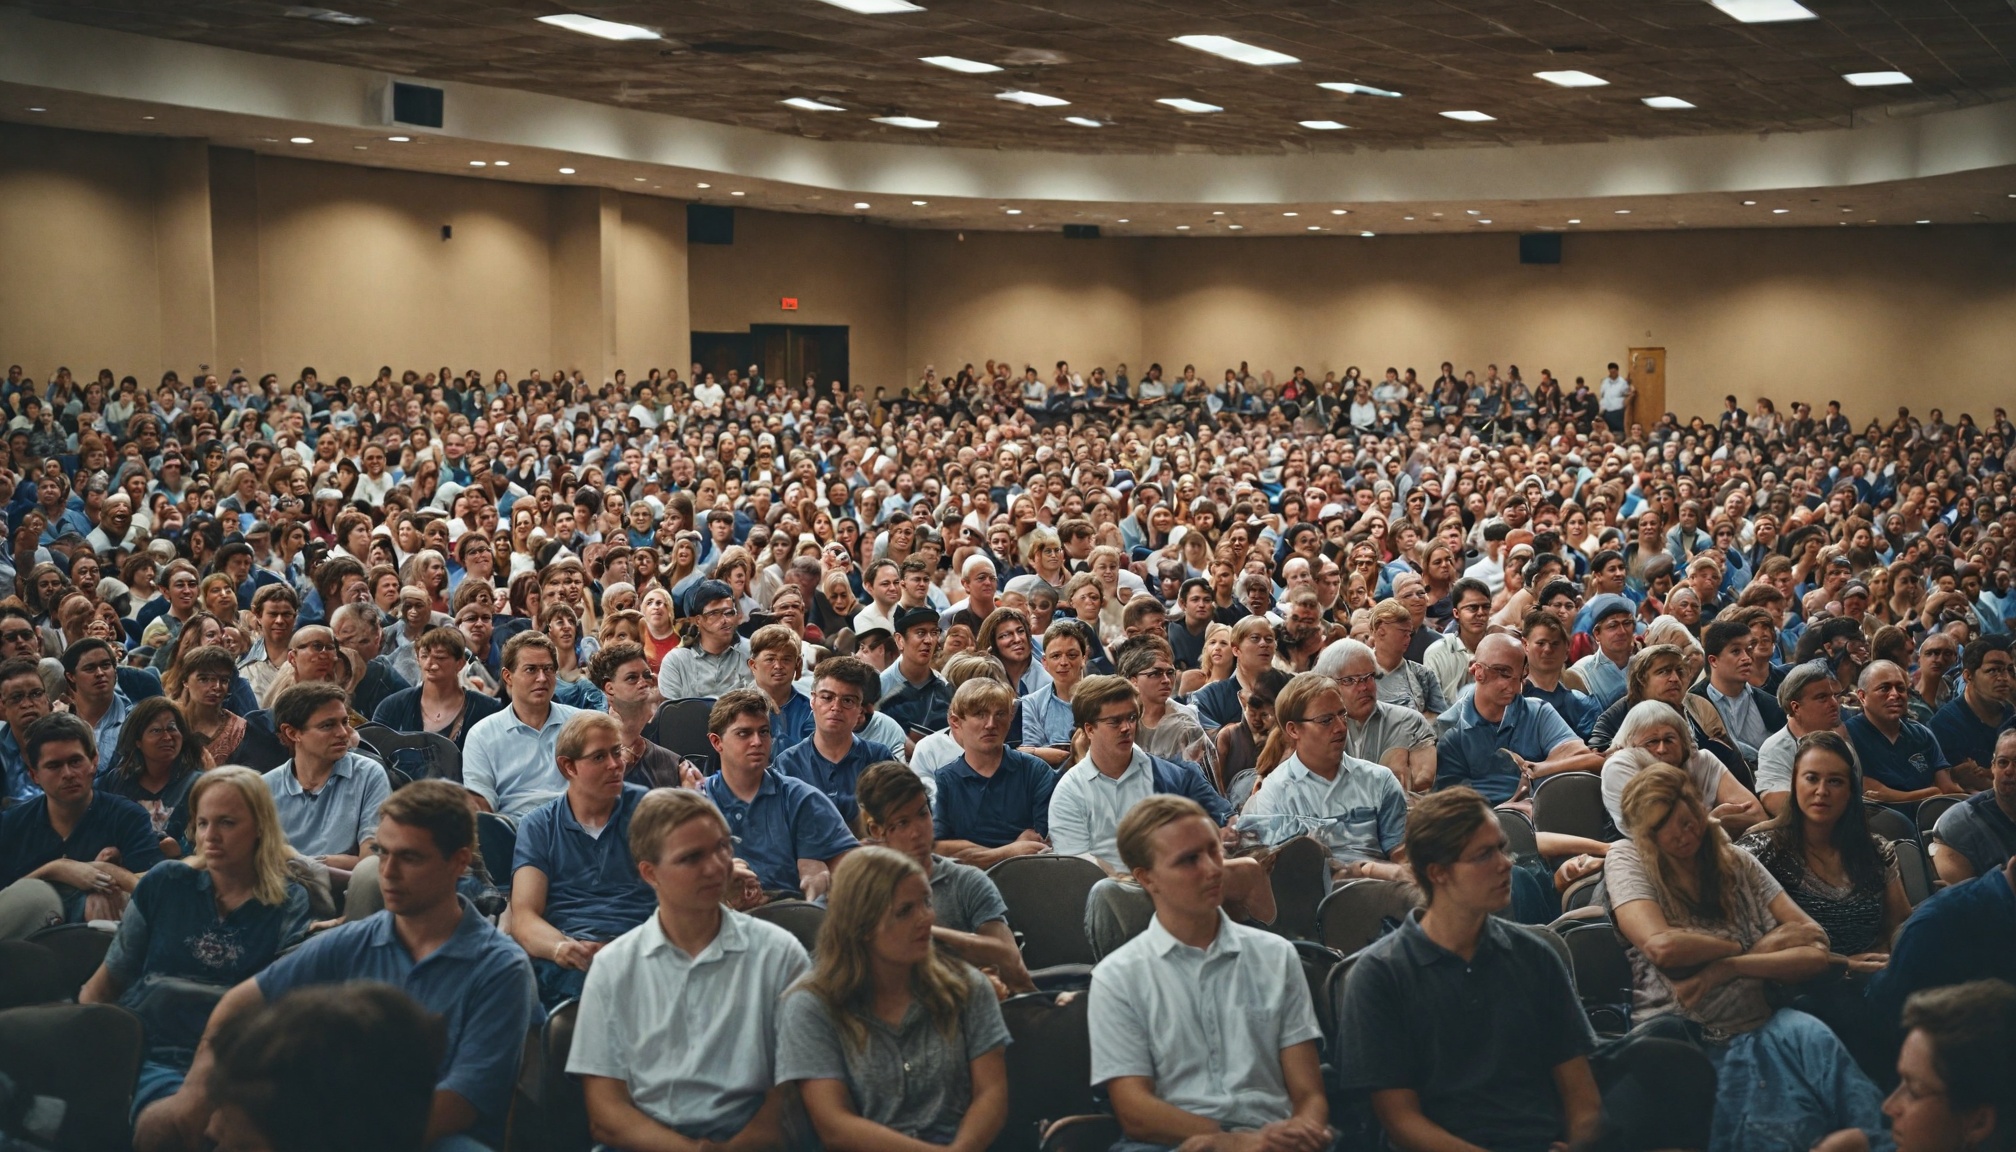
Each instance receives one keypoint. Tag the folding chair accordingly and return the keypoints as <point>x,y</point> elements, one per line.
<point>799,917</point>
<point>1046,906</point>
<point>1914,871</point>
<point>1571,803</point>
<point>86,1055</point>
<point>559,1119</point>
<point>1890,823</point>
<point>1520,837</point>
<point>1602,971</point>
<point>1362,911</point>
<point>78,948</point>
<point>420,755</point>
<point>1930,809</point>
<point>496,844</point>
<point>1301,879</point>
<point>1049,1066</point>
<point>680,727</point>
<point>29,974</point>
<point>1094,1133</point>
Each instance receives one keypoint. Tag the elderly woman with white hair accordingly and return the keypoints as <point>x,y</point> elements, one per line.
<point>1654,732</point>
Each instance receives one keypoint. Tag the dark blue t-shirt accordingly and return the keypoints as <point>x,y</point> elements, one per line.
<point>803,761</point>
<point>1962,735</point>
<point>992,810</point>
<point>1965,932</point>
<point>27,841</point>
<point>1911,763</point>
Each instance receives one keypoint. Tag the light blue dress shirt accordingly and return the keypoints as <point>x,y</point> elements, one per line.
<point>511,764</point>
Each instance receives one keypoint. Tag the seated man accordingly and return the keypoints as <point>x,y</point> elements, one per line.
<point>428,942</point>
<point>507,762</point>
<point>328,795</point>
<point>913,694</point>
<point>833,757</point>
<point>1391,734</point>
<point>1956,1069</point>
<point>1499,741</point>
<point>1964,932</point>
<point>1902,762</point>
<point>1976,835</point>
<point>1811,700</point>
<point>1203,1028</point>
<point>774,661</point>
<point>1047,719</point>
<point>787,831</point>
<point>622,673</point>
<point>1092,796</point>
<point>71,842</point>
<point>1967,725</point>
<point>972,919</point>
<point>993,802</point>
<point>1438,1076</point>
<point>23,700</point>
<point>676,1041</point>
<point>1353,806</point>
<point>719,663</point>
<point>573,885</point>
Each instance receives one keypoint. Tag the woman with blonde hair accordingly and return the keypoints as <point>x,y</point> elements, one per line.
<point>1709,929</point>
<point>661,635</point>
<point>1217,662</point>
<point>892,1042</point>
<point>212,920</point>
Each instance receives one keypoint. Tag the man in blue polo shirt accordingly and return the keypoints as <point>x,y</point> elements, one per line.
<point>327,795</point>
<point>1967,725</point>
<point>786,830</point>
<point>507,759</point>
<point>1964,932</point>
<point>1901,759</point>
<point>1977,834</point>
<point>1500,741</point>
<point>913,694</point>
<point>833,758</point>
<point>573,884</point>
<point>428,942</point>
<point>72,840</point>
<point>993,802</point>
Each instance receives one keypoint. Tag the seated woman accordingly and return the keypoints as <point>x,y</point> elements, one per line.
<point>1239,744</point>
<point>1708,929</point>
<point>196,928</point>
<point>891,1041</point>
<point>440,704</point>
<point>1652,733</point>
<point>154,764</point>
<point>200,683</point>
<point>1663,672</point>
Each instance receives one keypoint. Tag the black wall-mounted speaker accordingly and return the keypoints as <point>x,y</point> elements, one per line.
<point>417,104</point>
<point>1540,248</point>
<point>1081,231</point>
<point>709,224</point>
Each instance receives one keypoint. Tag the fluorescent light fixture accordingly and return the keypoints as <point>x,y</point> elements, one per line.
<point>566,171</point>
<point>400,139</point>
<point>1340,211</point>
<point>1217,212</point>
<point>1483,221</point>
<point>1323,125</point>
<point>1236,227</point>
<point>481,164</point>
<point>500,163</point>
<point>1572,78</point>
<point>876,7</point>
<point>1315,227</point>
<point>960,64</point>
<point>1749,203</point>
<point>906,122</point>
<point>300,140</point>
<point>1779,211</point>
<point>1623,211</point>
<point>1670,103</point>
<point>1185,104</point>
<point>731,193</point>
<point>919,203</point>
<point>1186,227</point>
<point>639,179</point>
<point>1012,211</point>
<point>1291,213</point>
<point>1406,217</point>
<point>1575,220</point>
<point>1032,99</point>
<point>38,109</point>
<point>1875,79</point>
<point>605,29</point>
<point>1763,11</point>
<point>1230,49</point>
<point>1924,221</point>
<point>1469,116</point>
<point>1083,122</point>
<point>1472,212</point>
<point>811,105</point>
<point>1367,235</point>
<point>861,205</point>
<point>1350,89</point>
<point>1123,220</point>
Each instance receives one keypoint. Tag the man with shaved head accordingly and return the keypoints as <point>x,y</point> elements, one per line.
<point>1901,760</point>
<point>1499,741</point>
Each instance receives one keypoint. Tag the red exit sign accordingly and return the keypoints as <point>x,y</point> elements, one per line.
<point>788,303</point>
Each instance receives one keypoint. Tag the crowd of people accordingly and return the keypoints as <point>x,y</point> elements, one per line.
<point>1164,624</point>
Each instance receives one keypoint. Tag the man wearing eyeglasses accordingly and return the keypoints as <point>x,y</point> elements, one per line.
<point>1450,658</point>
<point>1500,741</point>
<point>71,841</point>
<point>719,663</point>
<point>508,760</point>
<point>833,757</point>
<point>1322,781</point>
<point>1393,735</point>
<point>23,700</point>
<point>93,675</point>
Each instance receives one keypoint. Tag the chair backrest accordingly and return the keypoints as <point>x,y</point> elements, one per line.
<point>1332,1014</point>
<point>1046,903</point>
<point>496,843</point>
<point>1601,967</point>
<point>798,917</point>
<point>88,1056</point>
<point>78,948</point>
<point>1520,839</point>
<point>1049,1066</point>
<point>1571,803</point>
<point>30,974</point>
<point>1114,914</point>
<point>1301,879</point>
<point>1914,871</point>
<point>1362,911</point>
<point>1317,961</point>
<point>563,1110</point>
<point>1889,823</point>
<point>420,755</point>
<point>680,727</point>
<point>1092,1133</point>
<point>1930,809</point>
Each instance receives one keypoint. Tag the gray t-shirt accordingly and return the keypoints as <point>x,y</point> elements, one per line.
<point>914,1079</point>
<point>1979,830</point>
<point>1747,892</point>
<point>963,897</point>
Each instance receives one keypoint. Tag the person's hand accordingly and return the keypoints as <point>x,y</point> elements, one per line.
<point>1688,992</point>
<point>81,875</point>
<point>1867,963</point>
<point>689,776</point>
<point>576,954</point>
<point>1724,811</point>
<point>1296,1134</point>
<point>1025,847</point>
<point>1579,866</point>
<point>1032,834</point>
<point>1796,934</point>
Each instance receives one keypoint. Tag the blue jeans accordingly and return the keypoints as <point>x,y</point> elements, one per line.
<point>1786,1085</point>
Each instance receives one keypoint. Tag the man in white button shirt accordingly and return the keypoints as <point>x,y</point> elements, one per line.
<point>1363,801</point>
<point>677,1031</point>
<point>1094,794</point>
<point>1202,1028</point>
